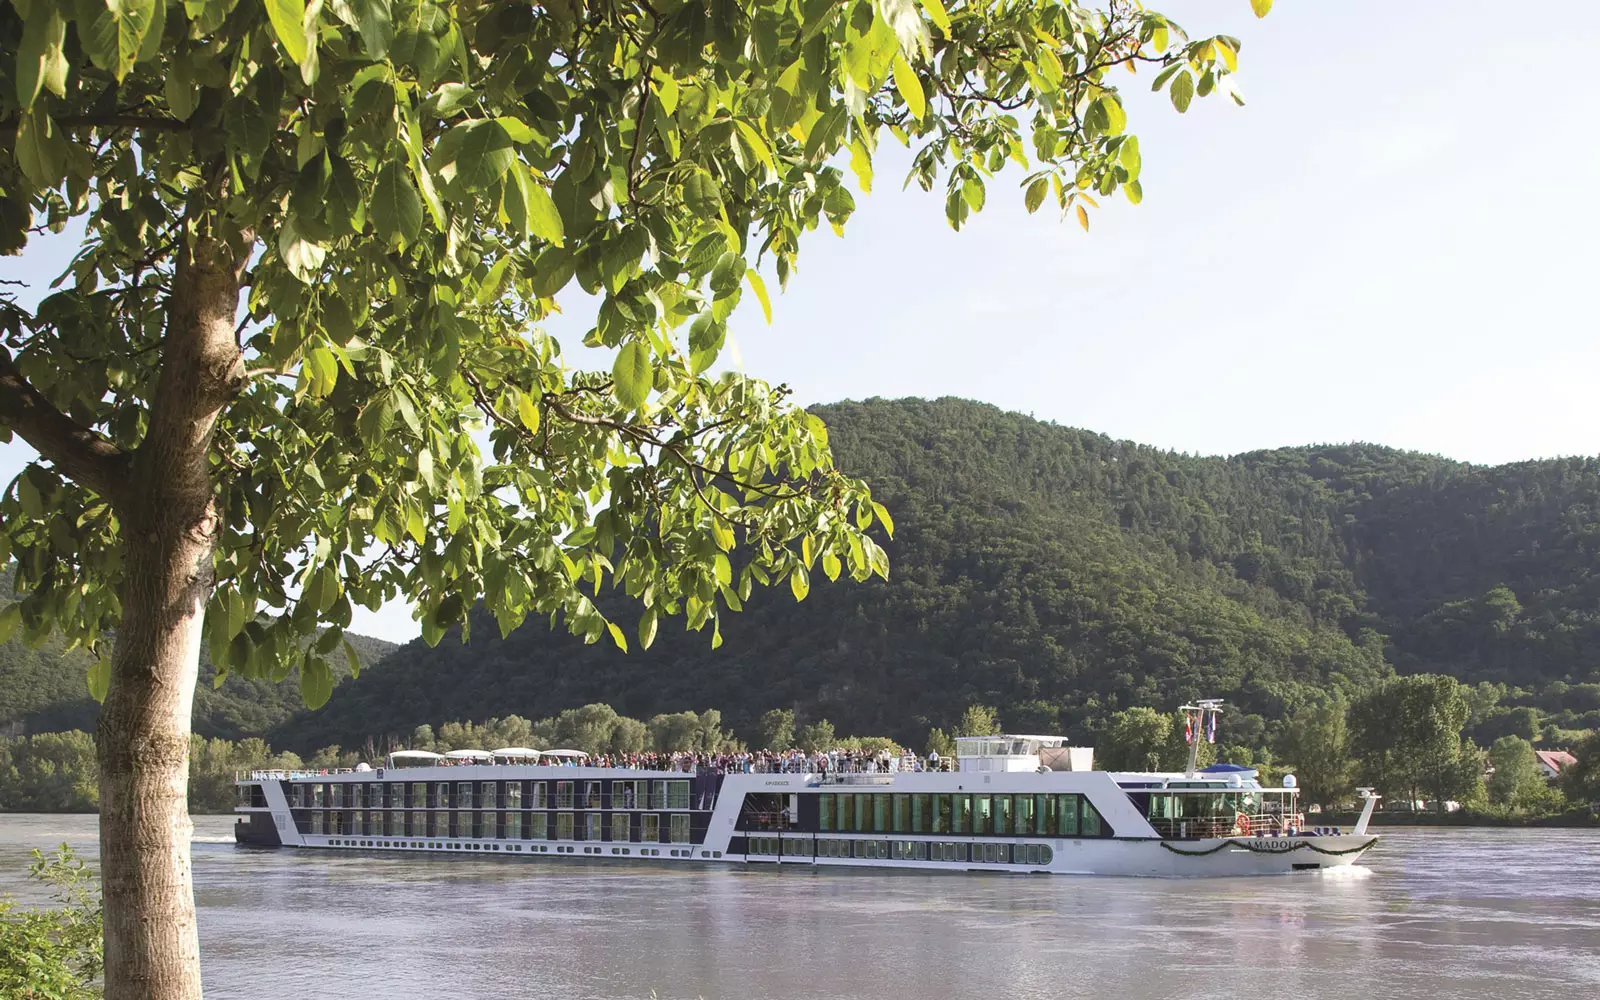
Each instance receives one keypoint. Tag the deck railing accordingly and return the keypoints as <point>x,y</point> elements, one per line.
<point>1241,825</point>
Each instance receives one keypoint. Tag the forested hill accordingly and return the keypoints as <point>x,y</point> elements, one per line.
<point>1058,575</point>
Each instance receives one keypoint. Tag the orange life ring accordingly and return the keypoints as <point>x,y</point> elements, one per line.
<point>1243,825</point>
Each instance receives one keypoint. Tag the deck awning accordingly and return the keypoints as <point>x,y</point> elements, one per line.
<point>514,752</point>
<point>469,755</point>
<point>578,754</point>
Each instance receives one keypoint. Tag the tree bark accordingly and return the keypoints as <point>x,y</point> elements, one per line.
<point>168,521</point>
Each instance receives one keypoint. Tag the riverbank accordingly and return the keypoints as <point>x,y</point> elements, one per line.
<point>1572,818</point>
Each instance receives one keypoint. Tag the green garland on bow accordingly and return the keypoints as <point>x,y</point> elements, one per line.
<point>1298,846</point>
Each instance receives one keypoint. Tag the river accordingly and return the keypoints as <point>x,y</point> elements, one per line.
<point>1435,915</point>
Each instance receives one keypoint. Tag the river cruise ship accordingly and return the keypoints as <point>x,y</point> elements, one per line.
<point>1025,804</point>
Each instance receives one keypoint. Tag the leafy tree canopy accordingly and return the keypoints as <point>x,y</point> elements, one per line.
<point>407,189</point>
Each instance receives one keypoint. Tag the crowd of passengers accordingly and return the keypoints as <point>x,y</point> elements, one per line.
<point>794,761</point>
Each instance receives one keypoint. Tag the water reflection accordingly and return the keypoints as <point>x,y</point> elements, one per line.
<point>1440,914</point>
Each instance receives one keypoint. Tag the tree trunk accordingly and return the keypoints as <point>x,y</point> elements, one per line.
<point>168,523</point>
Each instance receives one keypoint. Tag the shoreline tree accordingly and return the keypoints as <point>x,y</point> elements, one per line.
<point>319,239</point>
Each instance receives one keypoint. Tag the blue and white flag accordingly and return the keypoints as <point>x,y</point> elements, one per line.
<point>1211,728</point>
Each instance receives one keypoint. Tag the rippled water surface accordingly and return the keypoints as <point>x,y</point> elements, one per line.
<point>1436,914</point>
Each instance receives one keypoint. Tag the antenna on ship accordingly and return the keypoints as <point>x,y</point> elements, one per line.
<point>1199,722</point>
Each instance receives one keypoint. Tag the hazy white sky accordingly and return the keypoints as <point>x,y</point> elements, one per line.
<point>1393,242</point>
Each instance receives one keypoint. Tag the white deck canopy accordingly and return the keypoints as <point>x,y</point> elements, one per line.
<point>401,757</point>
<point>514,752</point>
<point>470,755</point>
<point>572,754</point>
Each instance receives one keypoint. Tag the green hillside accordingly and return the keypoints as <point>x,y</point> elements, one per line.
<point>1059,575</point>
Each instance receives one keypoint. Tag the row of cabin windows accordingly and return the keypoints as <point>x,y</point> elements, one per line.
<point>1059,815</point>
<point>665,794</point>
<point>904,850</point>
<point>619,827</point>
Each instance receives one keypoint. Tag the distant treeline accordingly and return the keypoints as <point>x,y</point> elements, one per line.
<point>1410,737</point>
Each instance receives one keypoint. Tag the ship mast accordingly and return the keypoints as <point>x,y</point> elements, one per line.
<point>1201,709</point>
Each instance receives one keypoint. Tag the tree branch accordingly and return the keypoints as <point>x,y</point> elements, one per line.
<point>88,458</point>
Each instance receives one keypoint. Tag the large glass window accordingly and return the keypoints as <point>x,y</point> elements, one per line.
<point>592,825</point>
<point>397,824</point>
<point>358,821</point>
<point>942,817</point>
<point>316,822</point>
<point>489,795</point>
<point>1067,815</point>
<point>1044,815</point>
<point>1093,825</point>
<point>960,814</point>
<point>679,828</point>
<point>513,795</point>
<point>419,795</point>
<point>297,796</point>
<point>1024,817</point>
<point>513,826</point>
<point>563,824</point>
<point>419,825</point>
<point>335,795</point>
<point>677,795</point>
<point>658,795</point>
<point>318,796</point>
<point>650,831</point>
<point>1002,814</point>
<point>539,826</point>
<point>863,813</point>
<point>847,812</point>
<point>564,795</point>
<point>441,795</point>
<point>591,795</point>
<point>439,824</point>
<point>463,824</point>
<point>619,826</point>
<point>880,813</point>
<point>825,817</point>
<point>627,794</point>
<point>921,813</point>
<point>982,814</point>
<point>463,795</point>
<point>538,798</point>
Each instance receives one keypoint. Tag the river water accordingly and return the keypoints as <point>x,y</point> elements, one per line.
<point>1436,914</point>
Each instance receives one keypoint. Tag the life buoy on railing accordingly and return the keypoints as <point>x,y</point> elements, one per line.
<point>1242,824</point>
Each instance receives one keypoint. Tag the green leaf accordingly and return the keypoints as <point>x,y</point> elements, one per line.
<point>40,149</point>
<point>471,157</point>
<point>40,59</point>
<point>701,195</point>
<point>788,105</point>
<point>800,583</point>
<point>937,14</point>
<point>100,678</point>
<point>910,87</point>
<point>10,618</point>
<point>1182,91</point>
<point>1036,193</point>
<point>647,628</point>
<point>1128,156</point>
<point>323,369</point>
<point>543,217</point>
<point>303,257</point>
<point>528,412</point>
<point>1134,191</point>
<point>114,33</point>
<point>376,24</point>
<point>760,288</point>
<point>633,374</point>
<point>1116,118</point>
<point>352,659</point>
<point>883,515</point>
<point>396,208</point>
<point>617,636</point>
<point>288,24</point>
<point>316,682</point>
<point>1261,7</point>
<point>831,565</point>
<point>516,128</point>
<point>756,144</point>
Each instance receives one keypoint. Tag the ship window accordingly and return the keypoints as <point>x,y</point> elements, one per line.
<point>678,828</point>
<point>1067,814</point>
<point>619,826</point>
<point>419,794</point>
<point>960,814</point>
<point>537,796</point>
<point>982,814</point>
<point>825,812</point>
<point>880,813</point>
<point>658,795</point>
<point>297,796</point>
<point>921,813</point>
<point>397,824</point>
<point>490,794</point>
<point>563,825</point>
<point>336,796</point>
<point>539,826</point>
<point>564,795</point>
<point>463,795</point>
<point>317,792</point>
<point>357,822</point>
<point>677,795</point>
<point>941,814</point>
<point>650,831</point>
<point>513,795</point>
<point>591,795</point>
<point>1024,815</point>
<point>592,825</point>
<point>316,822</point>
<point>1002,814</point>
<point>1093,825</point>
<point>847,813</point>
